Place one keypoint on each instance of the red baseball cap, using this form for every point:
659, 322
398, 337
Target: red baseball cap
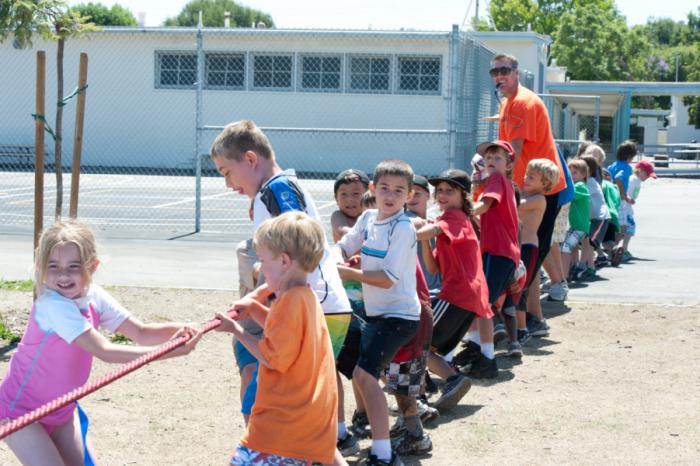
647, 167
505, 145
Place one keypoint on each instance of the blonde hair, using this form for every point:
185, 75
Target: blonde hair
547, 169
59, 234
580, 166
239, 137
295, 234
597, 152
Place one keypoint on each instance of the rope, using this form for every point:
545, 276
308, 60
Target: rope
121, 371
66, 99
47, 128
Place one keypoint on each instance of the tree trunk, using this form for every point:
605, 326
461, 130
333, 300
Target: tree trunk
59, 128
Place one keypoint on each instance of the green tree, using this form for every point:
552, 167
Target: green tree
213, 14
53, 21
105, 16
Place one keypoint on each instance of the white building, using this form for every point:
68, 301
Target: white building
317, 91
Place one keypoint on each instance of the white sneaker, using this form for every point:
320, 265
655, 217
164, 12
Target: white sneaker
558, 292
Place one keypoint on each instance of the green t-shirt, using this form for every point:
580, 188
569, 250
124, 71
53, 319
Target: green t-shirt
579, 217
612, 199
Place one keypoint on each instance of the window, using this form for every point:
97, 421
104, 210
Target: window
272, 71
225, 70
419, 75
320, 73
176, 70
370, 74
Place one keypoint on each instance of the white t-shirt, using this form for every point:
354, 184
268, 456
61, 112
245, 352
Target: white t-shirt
388, 245
55, 313
283, 193
597, 207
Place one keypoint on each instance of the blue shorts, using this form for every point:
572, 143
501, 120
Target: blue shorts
244, 358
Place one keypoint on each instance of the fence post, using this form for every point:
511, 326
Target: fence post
198, 131
452, 113
596, 127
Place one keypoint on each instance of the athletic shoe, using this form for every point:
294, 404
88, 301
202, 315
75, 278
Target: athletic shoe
483, 368
523, 336
468, 355
545, 282
588, 274
602, 261
348, 446
372, 460
409, 444
456, 386
617, 254
499, 333
627, 256
426, 412
515, 350
537, 328
557, 292
360, 425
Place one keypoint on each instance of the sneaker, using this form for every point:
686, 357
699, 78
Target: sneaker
398, 428
557, 292
468, 355
523, 336
483, 368
499, 334
456, 386
348, 446
627, 256
360, 425
426, 412
588, 274
409, 444
602, 261
617, 254
372, 460
545, 282
538, 328
515, 350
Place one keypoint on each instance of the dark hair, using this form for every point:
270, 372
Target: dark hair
506, 56
394, 167
368, 201
626, 151
582, 147
593, 167
467, 205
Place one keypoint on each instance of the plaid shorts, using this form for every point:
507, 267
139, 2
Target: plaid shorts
406, 378
573, 239
244, 456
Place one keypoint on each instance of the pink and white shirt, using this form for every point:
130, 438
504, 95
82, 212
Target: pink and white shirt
47, 364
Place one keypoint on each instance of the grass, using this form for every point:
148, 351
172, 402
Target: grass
17, 285
119, 338
8, 335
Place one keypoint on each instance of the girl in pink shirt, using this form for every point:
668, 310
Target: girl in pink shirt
56, 350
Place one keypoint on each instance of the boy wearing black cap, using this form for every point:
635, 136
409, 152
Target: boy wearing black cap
499, 231
348, 189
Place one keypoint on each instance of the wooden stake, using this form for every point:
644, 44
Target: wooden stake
78, 138
39, 146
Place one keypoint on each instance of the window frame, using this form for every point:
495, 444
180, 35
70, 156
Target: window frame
421, 57
159, 54
251, 71
300, 72
225, 53
370, 56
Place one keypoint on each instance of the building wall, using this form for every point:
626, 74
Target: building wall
130, 122
682, 131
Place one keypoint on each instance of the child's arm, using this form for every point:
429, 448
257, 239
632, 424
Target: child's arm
377, 278
482, 206
338, 226
428, 258
251, 308
428, 231
148, 334
96, 344
249, 341
623, 193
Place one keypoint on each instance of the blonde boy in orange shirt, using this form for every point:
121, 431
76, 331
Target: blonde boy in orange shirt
294, 419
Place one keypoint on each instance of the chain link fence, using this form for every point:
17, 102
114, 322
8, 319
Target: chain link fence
157, 97
574, 118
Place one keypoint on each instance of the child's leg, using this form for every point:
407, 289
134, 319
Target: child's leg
33, 445
534, 306
375, 402
69, 441
439, 366
553, 265
485, 327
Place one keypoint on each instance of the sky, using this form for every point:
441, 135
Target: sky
385, 14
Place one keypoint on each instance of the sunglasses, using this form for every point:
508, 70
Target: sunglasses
501, 70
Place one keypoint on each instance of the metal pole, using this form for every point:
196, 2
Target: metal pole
596, 128
476, 17
452, 114
678, 57
198, 130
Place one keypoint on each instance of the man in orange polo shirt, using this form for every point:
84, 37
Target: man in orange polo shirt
524, 122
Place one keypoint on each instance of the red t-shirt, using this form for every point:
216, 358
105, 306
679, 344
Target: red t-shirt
524, 116
459, 258
499, 224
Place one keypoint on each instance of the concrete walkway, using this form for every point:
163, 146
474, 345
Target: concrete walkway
666, 271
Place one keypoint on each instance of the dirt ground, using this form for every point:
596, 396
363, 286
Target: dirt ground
612, 384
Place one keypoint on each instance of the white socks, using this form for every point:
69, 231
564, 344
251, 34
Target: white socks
487, 350
382, 449
342, 430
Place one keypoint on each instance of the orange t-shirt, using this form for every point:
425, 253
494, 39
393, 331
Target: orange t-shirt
295, 411
524, 116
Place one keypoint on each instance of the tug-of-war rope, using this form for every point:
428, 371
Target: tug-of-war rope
92, 386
